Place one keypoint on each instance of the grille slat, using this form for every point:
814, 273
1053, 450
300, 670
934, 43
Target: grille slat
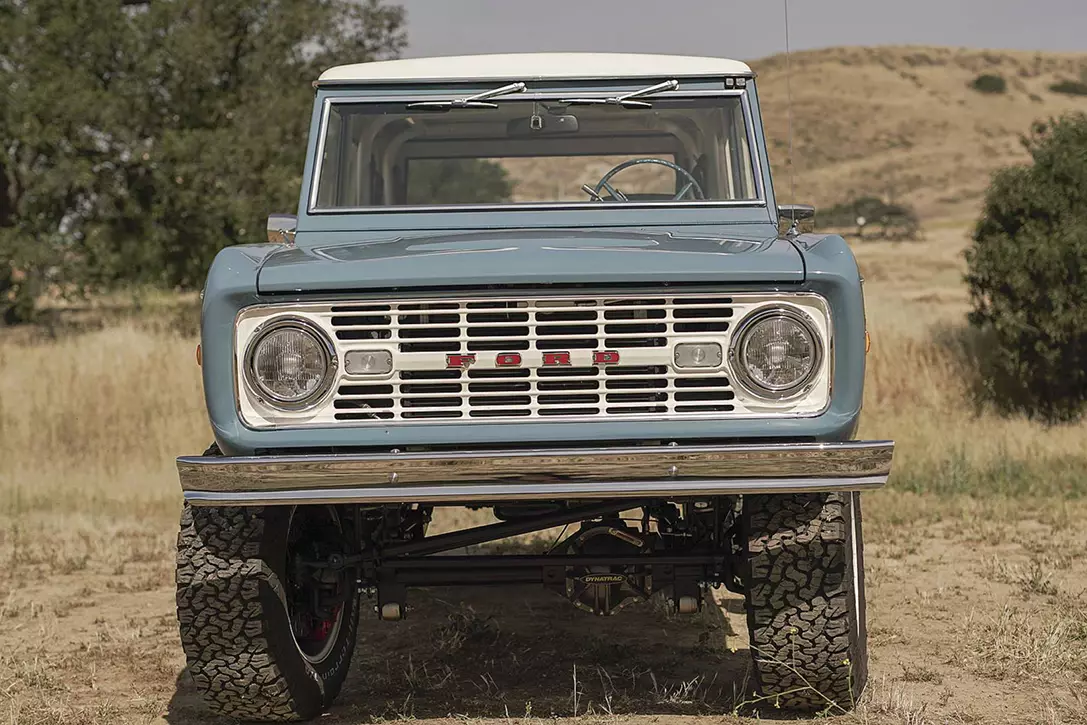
640, 330
416, 334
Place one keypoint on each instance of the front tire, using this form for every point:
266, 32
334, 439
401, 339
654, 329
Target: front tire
254, 650
805, 599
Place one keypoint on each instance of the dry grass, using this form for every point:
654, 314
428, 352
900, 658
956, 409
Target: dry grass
88, 432
107, 406
1028, 642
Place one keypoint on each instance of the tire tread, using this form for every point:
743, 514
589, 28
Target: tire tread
805, 620
222, 619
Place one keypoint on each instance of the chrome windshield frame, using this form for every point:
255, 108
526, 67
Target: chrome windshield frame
760, 200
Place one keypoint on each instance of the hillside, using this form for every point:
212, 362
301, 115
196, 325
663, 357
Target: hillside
898, 122
903, 122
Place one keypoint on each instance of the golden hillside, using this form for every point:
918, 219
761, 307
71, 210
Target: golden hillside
901, 123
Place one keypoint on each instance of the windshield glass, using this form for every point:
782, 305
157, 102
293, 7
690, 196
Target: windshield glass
680, 150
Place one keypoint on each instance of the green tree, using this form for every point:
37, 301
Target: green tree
138, 138
53, 103
1027, 272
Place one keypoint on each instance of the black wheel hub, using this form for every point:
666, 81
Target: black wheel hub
317, 580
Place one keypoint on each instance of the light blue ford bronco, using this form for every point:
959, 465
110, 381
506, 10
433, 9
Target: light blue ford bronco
557, 288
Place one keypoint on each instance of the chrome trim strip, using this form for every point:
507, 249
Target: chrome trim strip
543, 206
332, 363
466, 81
441, 94
318, 159
736, 354
753, 147
534, 492
555, 473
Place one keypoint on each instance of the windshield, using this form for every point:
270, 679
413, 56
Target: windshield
565, 151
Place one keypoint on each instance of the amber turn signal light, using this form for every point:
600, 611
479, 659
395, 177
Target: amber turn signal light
199, 356
867, 342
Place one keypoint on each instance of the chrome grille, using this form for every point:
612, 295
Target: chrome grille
640, 330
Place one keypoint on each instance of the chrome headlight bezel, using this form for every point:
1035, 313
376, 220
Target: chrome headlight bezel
328, 350
737, 352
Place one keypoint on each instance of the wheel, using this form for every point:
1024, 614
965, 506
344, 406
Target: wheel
805, 599
266, 637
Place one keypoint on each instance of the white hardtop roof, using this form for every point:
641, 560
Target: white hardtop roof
533, 66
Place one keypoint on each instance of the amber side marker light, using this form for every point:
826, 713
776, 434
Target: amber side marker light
867, 342
199, 356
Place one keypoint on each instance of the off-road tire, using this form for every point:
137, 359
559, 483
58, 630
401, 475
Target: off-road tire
232, 612
805, 599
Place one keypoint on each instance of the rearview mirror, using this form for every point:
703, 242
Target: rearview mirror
542, 125
800, 216
281, 228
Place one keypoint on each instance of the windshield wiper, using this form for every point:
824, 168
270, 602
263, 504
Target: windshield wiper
627, 100
479, 100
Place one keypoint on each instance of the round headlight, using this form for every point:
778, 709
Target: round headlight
291, 364
776, 353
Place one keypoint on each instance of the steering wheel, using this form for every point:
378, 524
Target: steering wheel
691, 187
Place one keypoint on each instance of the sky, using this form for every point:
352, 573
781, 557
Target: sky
744, 30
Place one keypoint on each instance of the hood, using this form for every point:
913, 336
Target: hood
529, 257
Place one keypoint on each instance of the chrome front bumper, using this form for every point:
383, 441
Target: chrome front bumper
572, 473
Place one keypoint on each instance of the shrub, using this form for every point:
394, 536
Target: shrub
895, 220
22, 275
1070, 88
990, 83
1027, 274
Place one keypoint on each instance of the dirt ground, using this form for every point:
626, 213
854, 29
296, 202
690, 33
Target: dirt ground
977, 614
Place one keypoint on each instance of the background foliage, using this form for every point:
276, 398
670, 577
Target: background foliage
989, 83
881, 218
1070, 88
1027, 272
138, 138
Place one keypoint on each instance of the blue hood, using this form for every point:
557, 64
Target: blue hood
531, 257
